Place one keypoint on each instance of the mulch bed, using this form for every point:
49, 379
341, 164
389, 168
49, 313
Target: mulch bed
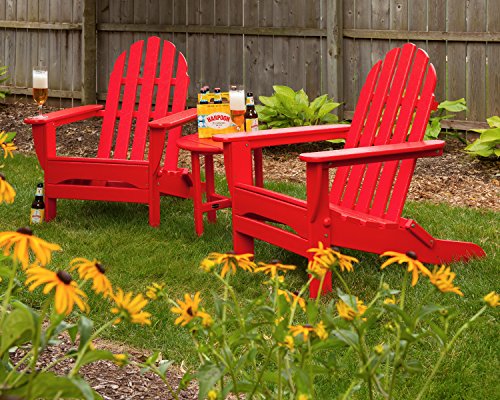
454, 178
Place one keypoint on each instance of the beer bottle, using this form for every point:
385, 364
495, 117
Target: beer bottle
251, 117
38, 206
203, 95
217, 96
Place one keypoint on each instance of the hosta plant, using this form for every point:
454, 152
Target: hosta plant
3, 79
488, 144
286, 108
443, 112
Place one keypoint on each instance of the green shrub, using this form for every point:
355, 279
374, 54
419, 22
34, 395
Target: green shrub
3, 78
489, 141
444, 108
286, 108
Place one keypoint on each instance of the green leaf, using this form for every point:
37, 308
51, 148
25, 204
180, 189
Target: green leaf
318, 102
426, 310
87, 392
439, 333
10, 136
85, 327
96, 355
18, 328
312, 312
207, 376
348, 337
491, 135
302, 99
326, 108
433, 129
284, 91
269, 101
330, 119
164, 365
494, 122
453, 106
413, 366
336, 140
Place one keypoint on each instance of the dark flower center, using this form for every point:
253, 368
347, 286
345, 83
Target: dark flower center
190, 311
2, 176
411, 254
296, 293
64, 277
275, 262
100, 268
25, 231
231, 252
335, 248
307, 326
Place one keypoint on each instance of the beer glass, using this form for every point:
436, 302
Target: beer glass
237, 106
40, 87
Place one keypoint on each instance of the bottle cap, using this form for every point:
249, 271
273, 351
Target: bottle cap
249, 94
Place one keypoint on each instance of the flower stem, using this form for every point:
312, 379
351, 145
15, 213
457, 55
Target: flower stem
348, 291
7, 294
445, 351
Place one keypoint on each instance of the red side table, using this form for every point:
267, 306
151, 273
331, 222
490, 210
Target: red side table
214, 201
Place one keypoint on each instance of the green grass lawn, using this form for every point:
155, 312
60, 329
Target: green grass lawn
135, 255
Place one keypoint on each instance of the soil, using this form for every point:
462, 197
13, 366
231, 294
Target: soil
454, 178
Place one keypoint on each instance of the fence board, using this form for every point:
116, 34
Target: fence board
265, 67
476, 62
363, 21
350, 60
437, 50
102, 47
280, 44
236, 71
493, 55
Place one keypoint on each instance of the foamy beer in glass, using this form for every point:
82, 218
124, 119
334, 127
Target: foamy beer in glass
237, 106
40, 86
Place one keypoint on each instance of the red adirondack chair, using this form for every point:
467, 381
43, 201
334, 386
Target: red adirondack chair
362, 207
127, 166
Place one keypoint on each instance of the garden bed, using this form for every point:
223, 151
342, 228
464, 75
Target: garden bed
454, 178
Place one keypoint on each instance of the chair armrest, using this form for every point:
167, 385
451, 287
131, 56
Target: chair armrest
174, 120
276, 137
67, 116
371, 154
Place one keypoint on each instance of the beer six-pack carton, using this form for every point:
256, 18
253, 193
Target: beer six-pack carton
214, 118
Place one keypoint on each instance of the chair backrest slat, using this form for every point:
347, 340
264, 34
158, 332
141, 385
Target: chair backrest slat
111, 108
126, 127
146, 99
392, 103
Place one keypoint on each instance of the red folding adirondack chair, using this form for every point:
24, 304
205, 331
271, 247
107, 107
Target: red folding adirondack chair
127, 166
362, 207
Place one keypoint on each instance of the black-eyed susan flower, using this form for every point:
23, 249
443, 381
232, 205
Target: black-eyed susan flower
349, 313
155, 291
410, 258
7, 192
390, 300
206, 319
291, 297
289, 342
7, 147
230, 261
320, 331
67, 291
492, 299
326, 258
208, 265
130, 308
442, 278
212, 395
188, 309
345, 262
273, 267
120, 359
303, 396
20, 242
94, 271
303, 330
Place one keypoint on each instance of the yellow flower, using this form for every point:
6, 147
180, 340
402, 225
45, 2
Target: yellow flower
207, 265
67, 291
289, 342
130, 308
206, 320
7, 192
230, 261
410, 258
94, 271
379, 349
188, 309
320, 331
303, 396
300, 301
120, 359
8, 147
390, 300
273, 267
326, 257
155, 290
443, 280
22, 241
492, 299
347, 312
301, 329
212, 395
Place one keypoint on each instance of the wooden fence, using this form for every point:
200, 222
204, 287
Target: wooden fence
319, 45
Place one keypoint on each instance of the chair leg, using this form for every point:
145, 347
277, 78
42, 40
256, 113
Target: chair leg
50, 209
210, 185
243, 243
314, 288
197, 193
154, 211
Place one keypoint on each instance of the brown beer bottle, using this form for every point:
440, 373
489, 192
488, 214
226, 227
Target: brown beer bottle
251, 117
38, 206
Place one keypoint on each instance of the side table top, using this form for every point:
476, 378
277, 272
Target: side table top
194, 144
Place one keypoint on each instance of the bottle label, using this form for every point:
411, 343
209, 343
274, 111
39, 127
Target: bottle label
250, 101
251, 124
36, 216
39, 191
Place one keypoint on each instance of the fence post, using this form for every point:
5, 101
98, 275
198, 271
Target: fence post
89, 84
334, 45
